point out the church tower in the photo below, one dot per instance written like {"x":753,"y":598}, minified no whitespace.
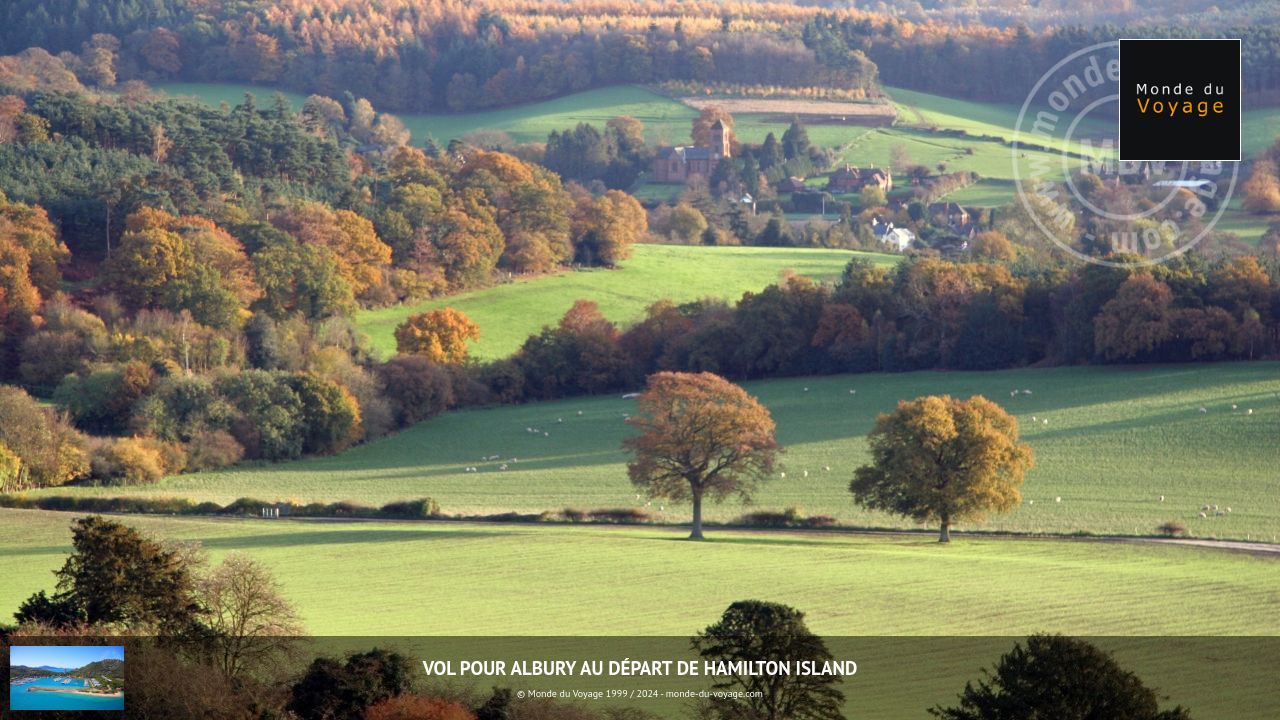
{"x":721,"y":139}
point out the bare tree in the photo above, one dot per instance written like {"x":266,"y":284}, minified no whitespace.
{"x":251,"y":624}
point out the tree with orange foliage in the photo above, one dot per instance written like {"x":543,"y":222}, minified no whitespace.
{"x":440,"y":335}
{"x":606,"y":227}
{"x":1137,"y":321}
{"x":941,"y":459}
{"x":700,"y":436}
{"x":362,"y":257}
{"x":417,"y":707}
{"x":706,"y":118}
{"x":1262,"y":190}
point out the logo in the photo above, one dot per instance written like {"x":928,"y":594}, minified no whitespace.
{"x":1077,"y":191}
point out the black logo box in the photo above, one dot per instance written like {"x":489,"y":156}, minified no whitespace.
{"x":1191,"y":64}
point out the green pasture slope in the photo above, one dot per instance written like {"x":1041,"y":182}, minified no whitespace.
{"x":461,"y":579}
{"x":510,"y":313}
{"x":391,"y":581}
{"x":1109,"y":442}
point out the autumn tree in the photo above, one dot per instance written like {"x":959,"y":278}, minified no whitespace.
{"x":992,"y":245}
{"x":606,"y":227}
{"x":752,"y":630}
{"x":700,"y":436}
{"x":362,"y":258}
{"x":1137,"y":321}
{"x":940,"y":459}
{"x":1051,"y":676}
{"x":1262,"y":190}
{"x":251,"y":625}
{"x":707,"y":117}
{"x":439,"y":335}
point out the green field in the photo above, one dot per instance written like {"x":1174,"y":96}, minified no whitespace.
{"x":510,"y":313}
{"x":1117,"y":439}
{"x":373,"y":578}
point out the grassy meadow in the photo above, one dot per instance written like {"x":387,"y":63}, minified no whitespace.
{"x":510,"y":313}
{"x":475,"y":579}
{"x":1109,"y":442}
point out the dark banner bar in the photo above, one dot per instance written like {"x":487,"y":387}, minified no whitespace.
{"x":882,"y":678}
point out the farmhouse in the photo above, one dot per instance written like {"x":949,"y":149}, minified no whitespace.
{"x":678,"y":164}
{"x":853,"y":179}
{"x":898,"y":238}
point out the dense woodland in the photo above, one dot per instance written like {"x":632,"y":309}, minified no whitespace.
{"x":417,"y":55}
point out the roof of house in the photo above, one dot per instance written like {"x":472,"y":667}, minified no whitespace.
{"x":687,"y":152}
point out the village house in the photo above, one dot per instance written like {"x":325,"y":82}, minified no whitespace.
{"x":853,"y":179}
{"x":898,"y":238}
{"x":678,"y":164}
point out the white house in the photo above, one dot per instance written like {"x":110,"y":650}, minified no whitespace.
{"x":899,"y":238}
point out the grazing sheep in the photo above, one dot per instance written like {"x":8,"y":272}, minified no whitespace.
{"x":1031,"y":502}
{"x":546,"y":434}
{"x":1033,"y":419}
{"x":826,"y":468}
{"x":1161,"y":498}
{"x":782,"y":474}
{"x":1046,"y":421}
{"x":804,"y":473}
{"x":1249,"y":411}
{"x":1013,"y":393}
{"x":503,"y":466}
{"x":1219,"y":513}
{"x":1215,"y":508}
{"x":559,"y":419}
{"x":1204,"y":410}
{"x":1057,"y":499}
{"x":1203,"y":515}
{"x":806,"y":389}
{"x":853,"y":392}
{"x":1026,"y":392}
{"x":1204,"y":507}
{"x":1228,"y":509}
{"x":1234,"y":406}
{"x":662,"y":508}
{"x":579,"y":412}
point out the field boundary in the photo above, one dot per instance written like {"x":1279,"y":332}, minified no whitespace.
{"x":540,"y":520}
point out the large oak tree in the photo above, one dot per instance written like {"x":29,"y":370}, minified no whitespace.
{"x":700,"y":436}
{"x":941,"y":459}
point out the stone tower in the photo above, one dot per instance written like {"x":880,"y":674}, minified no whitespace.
{"x":721,"y":139}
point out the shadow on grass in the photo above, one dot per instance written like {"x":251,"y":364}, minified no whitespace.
{"x":343,"y":537}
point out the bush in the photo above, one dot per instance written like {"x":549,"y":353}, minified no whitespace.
{"x":620,"y":515}
{"x":789,"y":518}
{"x":417,"y":388}
{"x":1173,"y":528}
{"x":213,"y":450}
{"x":126,"y":461}
{"x":421,"y":508}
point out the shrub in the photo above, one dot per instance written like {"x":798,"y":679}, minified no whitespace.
{"x":789,"y":518}
{"x":420,"y":508}
{"x":620,"y":515}
{"x":417,"y":388}
{"x":51,"y":452}
{"x":126,"y":461}
{"x":1173,"y":528}
{"x":212,"y":450}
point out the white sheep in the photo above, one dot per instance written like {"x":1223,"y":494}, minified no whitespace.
{"x":1228,"y":509}
{"x":1203,"y":515}
{"x":1234,"y":406}
{"x":804,"y":473}
{"x":1161,"y":498}
{"x":1046,"y":421}
{"x":806,"y":389}
{"x":782,"y":475}
{"x":559,"y":419}
{"x":1204,"y":410}
{"x":826,"y":468}
{"x":1057,"y":499}
{"x":546,"y":434}
{"x":1026,"y":392}
{"x":579,"y":412}
{"x":1249,"y":411}
{"x":1031,"y":502}
{"x":853,"y":392}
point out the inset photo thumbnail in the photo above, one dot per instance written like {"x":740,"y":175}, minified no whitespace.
{"x":66,"y":677}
